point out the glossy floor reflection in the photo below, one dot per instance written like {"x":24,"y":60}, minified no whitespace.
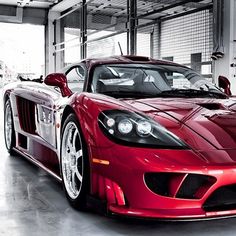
{"x":32,"y":203}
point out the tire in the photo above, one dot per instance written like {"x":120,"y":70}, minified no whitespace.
{"x":9,"y":130}
{"x":74,"y":163}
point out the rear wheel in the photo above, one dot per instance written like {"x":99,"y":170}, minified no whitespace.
{"x":9,"y":131}
{"x":74,"y":163}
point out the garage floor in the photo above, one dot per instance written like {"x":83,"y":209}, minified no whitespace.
{"x":33,"y":203}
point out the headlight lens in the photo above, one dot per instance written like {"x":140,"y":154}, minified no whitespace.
{"x":110,"y":122}
{"x":144,"y":127}
{"x":125,"y":126}
{"x":133,"y":129}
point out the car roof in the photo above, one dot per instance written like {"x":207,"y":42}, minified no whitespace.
{"x":123,"y":59}
{"x":127,"y":59}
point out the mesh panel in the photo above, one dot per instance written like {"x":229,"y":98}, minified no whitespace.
{"x":188,"y":35}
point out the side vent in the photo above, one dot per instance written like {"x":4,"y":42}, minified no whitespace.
{"x":22,"y":141}
{"x":26,"y":111}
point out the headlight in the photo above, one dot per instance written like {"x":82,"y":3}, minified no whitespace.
{"x":125,"y":126}
{"x":133,"y":129}
{"x":144,"y":127}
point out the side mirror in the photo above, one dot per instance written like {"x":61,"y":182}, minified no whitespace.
{"x":58,"y":80}
{"x":224,"y":83}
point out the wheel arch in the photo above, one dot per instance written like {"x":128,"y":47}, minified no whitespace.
{"x":77,"y":112}
{"x":67,"y":111}
{"x":12,"y":143}
{"x":6,"y":96}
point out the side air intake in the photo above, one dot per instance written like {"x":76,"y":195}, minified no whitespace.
{"x":26,"y":111}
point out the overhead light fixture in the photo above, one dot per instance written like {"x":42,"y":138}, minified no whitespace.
{"x":25,"y":1}
{"x":22,"y":3}
{"x":45,"y":1}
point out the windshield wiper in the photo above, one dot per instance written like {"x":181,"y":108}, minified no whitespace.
{"x":193,"y":93}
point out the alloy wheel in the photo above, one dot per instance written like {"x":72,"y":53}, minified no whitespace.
{"x":72,"y":160}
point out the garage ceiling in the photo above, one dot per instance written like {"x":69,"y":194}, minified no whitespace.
{"x":149,"y":9}
{"x":29,"y":3}
{"x":146,"y":9}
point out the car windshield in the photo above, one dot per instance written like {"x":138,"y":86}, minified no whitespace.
{"x":149,"y":80}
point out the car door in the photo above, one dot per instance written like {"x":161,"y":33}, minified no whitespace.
{"x":34,"y":114}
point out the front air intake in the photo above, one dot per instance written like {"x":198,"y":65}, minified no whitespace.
{"x":222,"y":199}
{"x":179,"y":185}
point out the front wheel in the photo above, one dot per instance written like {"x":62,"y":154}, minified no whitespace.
{"x":74,"y":163}
{"x":9,"y":131}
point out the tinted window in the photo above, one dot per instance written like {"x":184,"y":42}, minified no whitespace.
{"x":127,"y":80}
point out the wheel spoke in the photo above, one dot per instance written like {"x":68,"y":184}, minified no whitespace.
{"x":78,"y":175}
{"x":67,"y":172}
{"x":69,"y":149}
{"x":69,"y":142}
{"x":70,"y":146}
{"x":65,"y":158}
{"x":78,"y":154}
{"x":74,"y":138}
{"x":73,"y":183}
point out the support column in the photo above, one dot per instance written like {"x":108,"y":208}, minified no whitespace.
{"x":50,"y":58}
{"x":58,"y":38}
{"x":83,"y":31}
{"x":132,"y":26}
{"x":127,"y":28}
{"x":151,"y":43}
{"x":226,"y":66}
{"x":157,"y":41}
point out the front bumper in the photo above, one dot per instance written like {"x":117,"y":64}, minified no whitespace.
{"x":127,"y":168}
{"x":175,"y":214}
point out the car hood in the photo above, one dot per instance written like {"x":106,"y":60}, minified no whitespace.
{"x":202,"y":123}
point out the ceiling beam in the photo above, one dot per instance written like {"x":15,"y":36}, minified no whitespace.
{"x":64,"y":5}
{"x":159,"y":10}
{"x":13,"y":19}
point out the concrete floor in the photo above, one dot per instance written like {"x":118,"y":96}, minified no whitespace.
{"x":32,"y":203}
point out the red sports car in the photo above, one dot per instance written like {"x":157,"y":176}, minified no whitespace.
{"x":130,"y":135}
